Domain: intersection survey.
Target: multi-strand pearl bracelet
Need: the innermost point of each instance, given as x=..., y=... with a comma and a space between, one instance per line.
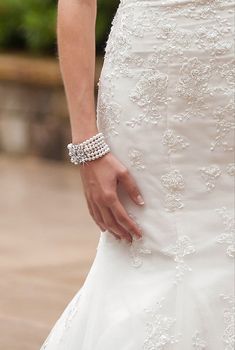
x=88, y=150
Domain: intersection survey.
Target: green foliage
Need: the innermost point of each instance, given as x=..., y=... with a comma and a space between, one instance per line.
x=38, y=24
x=30, y=25
x=105, y=12
x=10, y=23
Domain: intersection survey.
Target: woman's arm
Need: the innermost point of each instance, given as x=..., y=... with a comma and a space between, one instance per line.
x=100, y=177
x=76, y=46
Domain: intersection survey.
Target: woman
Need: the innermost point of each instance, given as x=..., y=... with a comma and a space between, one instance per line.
x=163, y=274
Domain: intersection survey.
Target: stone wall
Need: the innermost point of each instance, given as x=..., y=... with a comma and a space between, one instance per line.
x=33, y=112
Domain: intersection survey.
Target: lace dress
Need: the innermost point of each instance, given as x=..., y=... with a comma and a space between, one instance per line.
x=166, y=106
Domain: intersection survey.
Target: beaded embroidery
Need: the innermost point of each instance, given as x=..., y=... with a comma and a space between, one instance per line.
x=210, y=175
x=159, y=328
x=193, y=86
x=229, y=322
x=109, y=113
x=149, y=94
x=173, y=141
x=225, y=125
x=228, y=236
x=179, y=251
x=136, y=159
x=146, y=74
x=195, y=77
x=137, y=248
x=173, y=182
x=230, y=169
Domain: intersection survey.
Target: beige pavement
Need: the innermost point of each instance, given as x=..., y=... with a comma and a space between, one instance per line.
x=47, y=244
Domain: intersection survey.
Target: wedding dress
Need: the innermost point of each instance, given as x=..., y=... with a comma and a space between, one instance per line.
x=166, y=107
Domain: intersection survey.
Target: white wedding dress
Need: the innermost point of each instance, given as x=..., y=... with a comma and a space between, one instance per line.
x=166, y=106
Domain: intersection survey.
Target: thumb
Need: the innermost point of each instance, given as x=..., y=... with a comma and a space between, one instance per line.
x=131, y=187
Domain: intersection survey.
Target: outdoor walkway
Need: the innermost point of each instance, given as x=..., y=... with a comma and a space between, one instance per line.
x=47, y=244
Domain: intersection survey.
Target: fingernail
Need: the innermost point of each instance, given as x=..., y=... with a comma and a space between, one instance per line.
x=129, y=241
x=135, y=234
x=140, y=199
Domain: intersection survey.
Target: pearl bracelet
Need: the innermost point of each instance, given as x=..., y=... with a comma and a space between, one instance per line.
x=88, y=150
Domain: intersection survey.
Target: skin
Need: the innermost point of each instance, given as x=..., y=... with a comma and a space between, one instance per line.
x=76, y=47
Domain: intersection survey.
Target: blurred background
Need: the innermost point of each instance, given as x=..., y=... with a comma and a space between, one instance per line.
x=47, y=237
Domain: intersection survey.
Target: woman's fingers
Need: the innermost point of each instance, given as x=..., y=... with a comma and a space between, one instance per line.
x=100, y=182
x=98, y=217
x=123, y=219
x=95, y=213
x=113, y=226
x=130, y=186
x=100, y=221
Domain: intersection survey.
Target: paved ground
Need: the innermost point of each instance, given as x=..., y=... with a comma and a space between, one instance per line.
x=47, y=244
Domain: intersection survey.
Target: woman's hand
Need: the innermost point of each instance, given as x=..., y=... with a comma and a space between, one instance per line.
x=100, y=178
x=76, y=46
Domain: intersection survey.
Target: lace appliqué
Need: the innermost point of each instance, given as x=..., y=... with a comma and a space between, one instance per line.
x=159, y=329
x=179, y=251
x=209, y=175
x=109, y=114
x=225, y=125
x=193, y=86
x=198, y=343
x=137, y=248
x=118, y=47
x=211, y=38
x=198, y=79
x=198, y=10
x=227, y=71
x=174, y=183
x=149, y=94
x=136, y=159
x=228, y=236
x=230, y=169
x=229, y=322
x=173, y=142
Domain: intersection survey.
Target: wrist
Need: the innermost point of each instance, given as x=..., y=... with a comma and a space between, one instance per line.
x=83, y=136
x=90, y=149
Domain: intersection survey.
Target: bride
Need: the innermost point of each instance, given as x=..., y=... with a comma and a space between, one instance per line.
x=156, y=159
